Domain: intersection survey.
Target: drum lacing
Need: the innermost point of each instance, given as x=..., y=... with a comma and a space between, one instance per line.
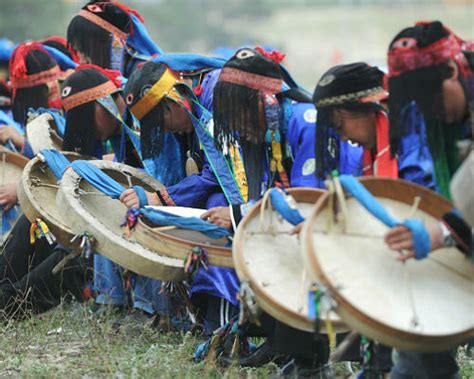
x=87, y=244
x=249, y=310
x=39, y=229
x=197, y=257
x=319, y=301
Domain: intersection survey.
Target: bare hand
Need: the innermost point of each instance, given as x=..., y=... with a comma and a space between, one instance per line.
x=219, y=216
x=9, y=133
x=400, y=238
x=130, y=198
x=8, y=196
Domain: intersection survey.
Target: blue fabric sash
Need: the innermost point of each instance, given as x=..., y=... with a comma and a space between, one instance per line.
x=98, y=179
x=218, y=163
x=164, y=218
x=63, y=60
x=280, y=204
x=189, y=62
x=56, y=161
x=141, y=41
x=421, y=238
x=112, y=188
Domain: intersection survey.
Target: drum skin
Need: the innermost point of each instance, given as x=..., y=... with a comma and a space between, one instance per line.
x=40, y=201
x=270, y=261
x=42, y=133
x=425, y=305
x=177, y=243
x=88, y=210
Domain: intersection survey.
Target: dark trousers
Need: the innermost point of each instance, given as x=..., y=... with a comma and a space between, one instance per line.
x=411, y=365
x=285, y=340
x=26, y=278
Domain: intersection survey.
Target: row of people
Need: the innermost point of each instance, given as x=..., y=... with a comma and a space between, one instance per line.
x=219, y=133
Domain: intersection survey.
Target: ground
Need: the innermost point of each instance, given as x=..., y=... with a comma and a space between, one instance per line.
x=70, y=341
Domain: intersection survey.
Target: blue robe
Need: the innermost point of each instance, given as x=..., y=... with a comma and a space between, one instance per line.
x=203, y=190
x=415, y=162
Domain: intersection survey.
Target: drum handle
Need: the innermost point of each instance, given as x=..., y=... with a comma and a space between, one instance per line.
x=262, y=209
x=342, y=202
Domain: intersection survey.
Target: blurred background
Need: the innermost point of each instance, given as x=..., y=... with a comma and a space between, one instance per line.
x=314, y=34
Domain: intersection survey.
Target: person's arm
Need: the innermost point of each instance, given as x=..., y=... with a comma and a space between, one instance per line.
x=452, y=230
x=192, y=191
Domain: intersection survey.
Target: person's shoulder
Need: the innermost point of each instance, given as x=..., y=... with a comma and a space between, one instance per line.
x=304, y=112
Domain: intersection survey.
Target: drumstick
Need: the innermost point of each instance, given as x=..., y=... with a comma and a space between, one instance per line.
x=165, y=228
x=262, y=209
x=337, y=354
x=342, y=202
x=415, y=319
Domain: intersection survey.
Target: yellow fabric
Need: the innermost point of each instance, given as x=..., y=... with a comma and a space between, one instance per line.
x=163, y=87
x=239, y=171
x=276, y=164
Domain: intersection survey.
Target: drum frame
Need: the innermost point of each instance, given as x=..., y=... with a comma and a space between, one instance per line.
x=266, y=303
x=406, y=192
x=117, y=248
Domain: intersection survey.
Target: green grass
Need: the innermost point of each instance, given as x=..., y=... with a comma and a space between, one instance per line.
x=70, y=341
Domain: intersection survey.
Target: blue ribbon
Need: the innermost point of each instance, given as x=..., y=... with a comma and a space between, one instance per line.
x=98, y=179
x=164, y=218
x=140, y=191
x=279, y=203
x=63, y=60
x=421, y=238
x=56, y=161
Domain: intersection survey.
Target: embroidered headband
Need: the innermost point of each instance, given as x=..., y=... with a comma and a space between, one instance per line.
x=370, y=95
x=249, y=80
x=162, y=88
x=87, y=95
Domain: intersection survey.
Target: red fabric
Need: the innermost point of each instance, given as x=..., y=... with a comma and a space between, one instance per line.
x=382, y=164
x=404, y=54
x=17, y=65
x=113, y=75
x=274, y=55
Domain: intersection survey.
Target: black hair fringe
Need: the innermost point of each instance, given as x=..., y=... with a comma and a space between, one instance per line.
x=25, y=98
x=237, y=112
x=80, y=135
x=424, y=86
x=91, y=40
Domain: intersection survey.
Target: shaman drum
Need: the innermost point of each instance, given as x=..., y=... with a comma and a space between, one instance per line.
x=37, y=191
x=11, y=169
x=42, y=133
x=88, y=210
x=177, y=242
x=424, y=305
x=269, y=260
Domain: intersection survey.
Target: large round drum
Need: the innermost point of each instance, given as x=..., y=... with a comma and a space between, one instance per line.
x=177, y=242
x=424, y=305
x=88, y=210
x=269, y=259
x=43, y=133
x=37, y=191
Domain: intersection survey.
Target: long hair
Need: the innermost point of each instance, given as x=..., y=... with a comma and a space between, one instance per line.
x=80, y=135
x=238, y=115
x=79, y=36
x=92, y=40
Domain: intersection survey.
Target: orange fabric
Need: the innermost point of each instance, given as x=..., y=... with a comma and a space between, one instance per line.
x=382, y=164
